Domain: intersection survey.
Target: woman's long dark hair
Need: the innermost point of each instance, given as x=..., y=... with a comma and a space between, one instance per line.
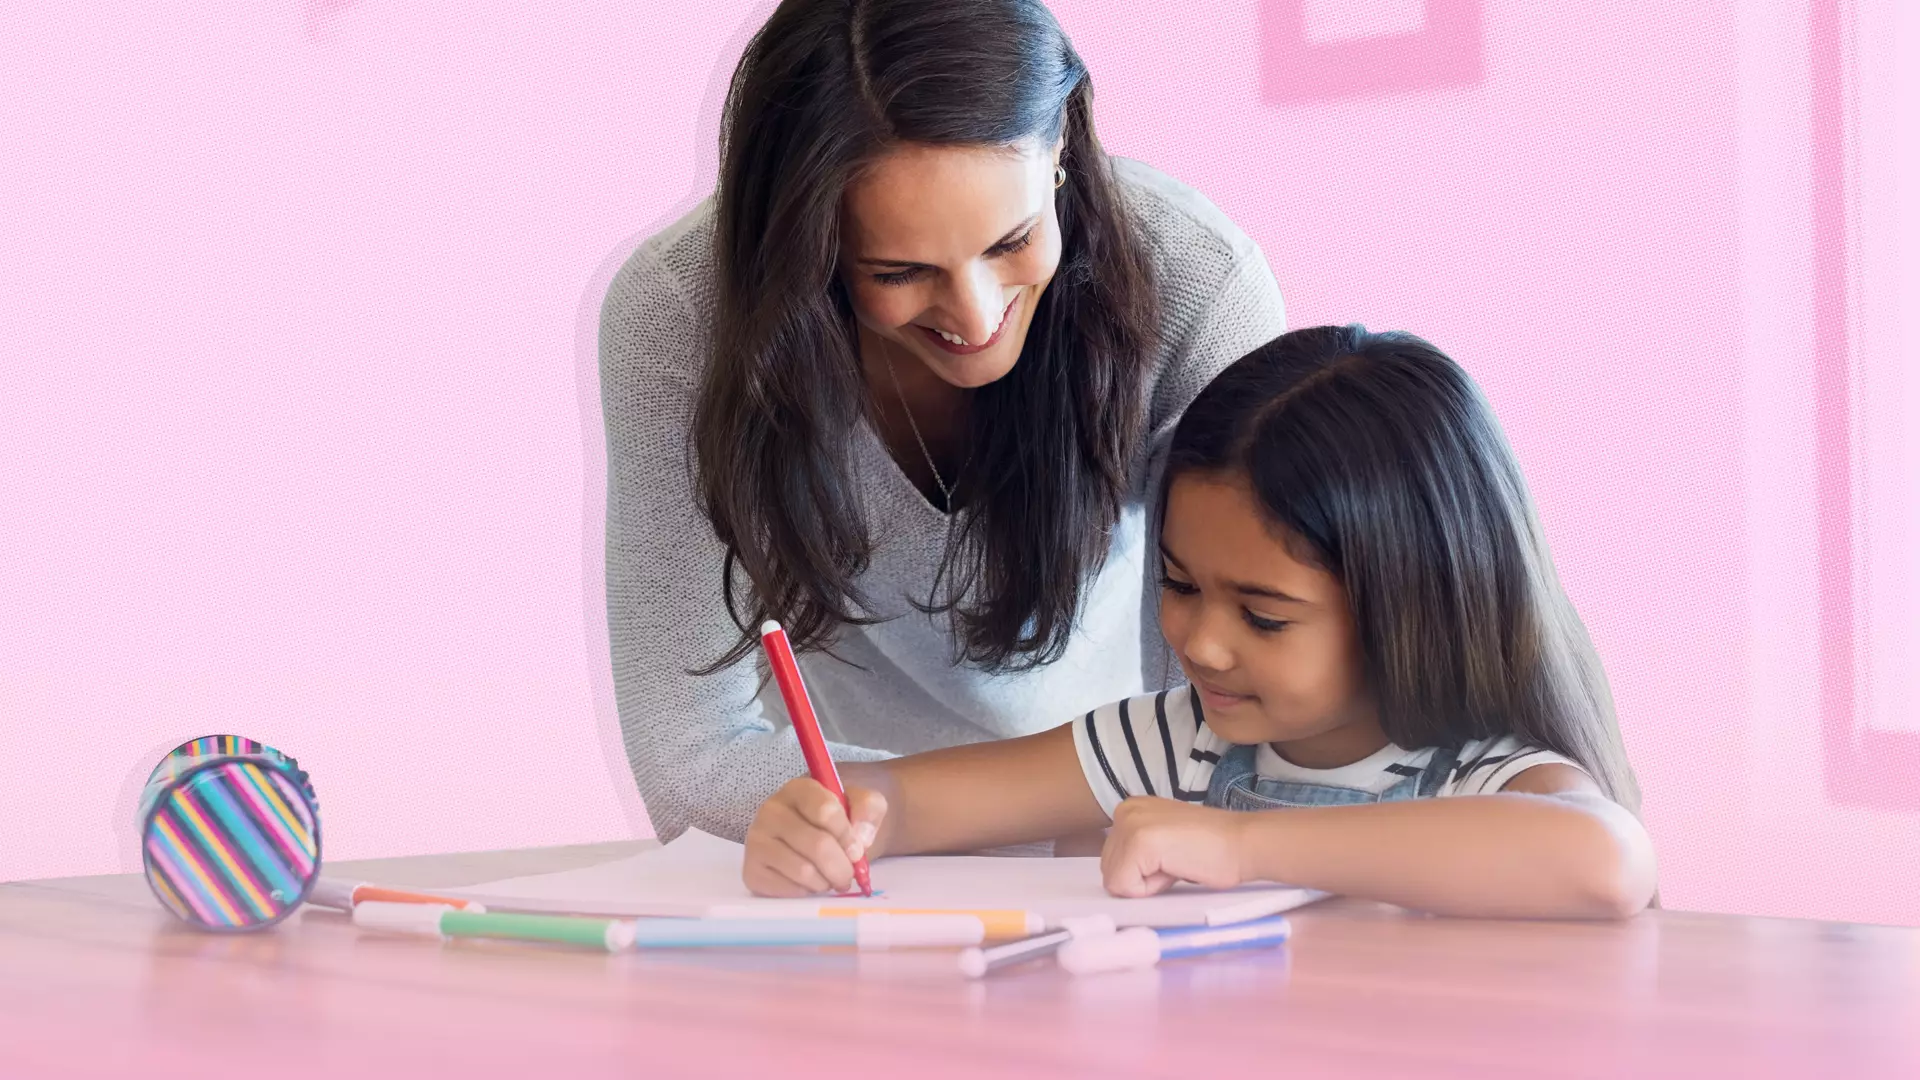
x=1379, y=455
x=823, y=89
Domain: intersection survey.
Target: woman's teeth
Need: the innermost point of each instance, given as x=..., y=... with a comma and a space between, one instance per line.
x=962, y=342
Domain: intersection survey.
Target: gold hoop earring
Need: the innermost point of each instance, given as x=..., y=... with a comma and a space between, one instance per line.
x=1059, y=176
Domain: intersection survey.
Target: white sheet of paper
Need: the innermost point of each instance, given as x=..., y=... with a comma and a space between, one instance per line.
x=698, y=872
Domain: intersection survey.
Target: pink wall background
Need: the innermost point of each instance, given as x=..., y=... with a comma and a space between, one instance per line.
x=301, y=418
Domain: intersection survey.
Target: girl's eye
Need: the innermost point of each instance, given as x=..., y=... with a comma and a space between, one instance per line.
x=898, y=277
x=1178, y=588
x=1265, y=626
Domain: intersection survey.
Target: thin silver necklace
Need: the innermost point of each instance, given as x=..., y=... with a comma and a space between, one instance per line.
x=946, y=493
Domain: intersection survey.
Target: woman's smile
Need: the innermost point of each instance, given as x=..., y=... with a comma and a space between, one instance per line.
x=958, y=346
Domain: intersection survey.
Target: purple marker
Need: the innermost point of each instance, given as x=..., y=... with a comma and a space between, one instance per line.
x=1143, y=947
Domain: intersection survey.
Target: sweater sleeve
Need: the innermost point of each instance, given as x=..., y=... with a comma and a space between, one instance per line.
x=1245, y=313
x=703, y=751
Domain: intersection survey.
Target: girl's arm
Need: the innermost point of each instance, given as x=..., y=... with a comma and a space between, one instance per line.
x=964, y=798
x=1549, y=845
x=992, y=794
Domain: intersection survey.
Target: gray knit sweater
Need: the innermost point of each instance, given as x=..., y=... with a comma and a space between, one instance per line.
x=707, y=751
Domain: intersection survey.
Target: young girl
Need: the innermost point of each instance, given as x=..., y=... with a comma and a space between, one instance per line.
x=1388, y=695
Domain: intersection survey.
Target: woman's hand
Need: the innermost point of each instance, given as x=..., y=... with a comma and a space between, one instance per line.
x=801, y=842
x=1157, y=842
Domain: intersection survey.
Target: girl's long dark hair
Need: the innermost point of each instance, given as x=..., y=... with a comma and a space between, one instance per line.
x=1379, y=454
x=823, y=89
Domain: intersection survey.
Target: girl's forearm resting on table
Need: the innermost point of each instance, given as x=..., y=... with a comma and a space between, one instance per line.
x=985, y=795
x=1507, y=855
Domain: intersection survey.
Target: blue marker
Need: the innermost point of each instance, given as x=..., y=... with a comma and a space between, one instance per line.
x=1143, y=947
x=872, y=931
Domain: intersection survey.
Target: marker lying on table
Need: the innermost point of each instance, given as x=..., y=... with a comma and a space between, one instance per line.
x=860, y=932
x=864, y=931
x=975, y=963
x=806, y=727
x=441, y=921
x=343, y=895
x=999, y=925
x=1142, y=947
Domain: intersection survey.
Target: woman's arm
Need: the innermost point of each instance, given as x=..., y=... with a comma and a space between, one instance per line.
x=702, y=751
x=1243, y=312
x=1549, y=845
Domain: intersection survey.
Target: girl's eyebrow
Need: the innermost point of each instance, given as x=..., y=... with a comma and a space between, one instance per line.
x=1008, y=238
x=1247, y=589
x=1241, y=587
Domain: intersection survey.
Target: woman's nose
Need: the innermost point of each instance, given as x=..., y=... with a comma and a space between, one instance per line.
x=978, y=305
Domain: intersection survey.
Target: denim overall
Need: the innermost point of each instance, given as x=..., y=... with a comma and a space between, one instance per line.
x=1236, y=786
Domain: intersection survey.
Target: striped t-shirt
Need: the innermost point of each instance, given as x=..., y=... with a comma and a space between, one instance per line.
x=1160, y=744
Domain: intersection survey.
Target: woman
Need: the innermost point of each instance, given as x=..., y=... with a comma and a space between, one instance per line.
x=903, y=384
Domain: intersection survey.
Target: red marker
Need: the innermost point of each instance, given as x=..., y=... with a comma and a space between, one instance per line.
x=786, y=672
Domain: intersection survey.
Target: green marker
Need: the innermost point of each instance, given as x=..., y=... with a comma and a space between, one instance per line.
x=441, y=921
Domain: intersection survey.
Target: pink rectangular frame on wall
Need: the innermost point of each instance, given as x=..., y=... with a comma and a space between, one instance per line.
x=1863, y=767
x=1445, y=52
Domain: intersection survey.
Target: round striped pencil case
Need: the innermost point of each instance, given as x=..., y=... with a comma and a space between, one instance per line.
x=230, y=833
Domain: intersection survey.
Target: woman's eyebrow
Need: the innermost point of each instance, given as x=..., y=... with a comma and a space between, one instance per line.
x=1007, y=238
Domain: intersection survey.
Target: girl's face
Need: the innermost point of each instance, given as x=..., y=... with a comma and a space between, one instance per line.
x=1268, y=640
x=946, y=250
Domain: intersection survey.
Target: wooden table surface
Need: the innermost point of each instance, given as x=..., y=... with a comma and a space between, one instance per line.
x=97, y=980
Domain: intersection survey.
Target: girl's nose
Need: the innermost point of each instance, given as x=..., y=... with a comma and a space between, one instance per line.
x=1205, y=646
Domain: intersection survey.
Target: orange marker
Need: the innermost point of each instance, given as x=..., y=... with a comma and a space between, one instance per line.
x=342, y=895
x=999, y=925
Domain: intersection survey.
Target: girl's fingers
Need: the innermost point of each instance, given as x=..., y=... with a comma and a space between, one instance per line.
x=780, y=859
x=819, y=849
x=770, y=867
x=790, y=855
x=763, y=880
x=1130, y=865
x=1156, y=883
x=818, y=807
x=869, y=810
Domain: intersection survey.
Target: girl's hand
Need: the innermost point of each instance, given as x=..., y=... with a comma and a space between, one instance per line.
x=1157, y=842
x=801, y=842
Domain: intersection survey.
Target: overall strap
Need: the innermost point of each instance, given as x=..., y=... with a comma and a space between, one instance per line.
x=1236, y=766
x=1439, y=769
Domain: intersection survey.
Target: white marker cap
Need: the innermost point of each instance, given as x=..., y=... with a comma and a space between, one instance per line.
x=1086, y=926
x=973, y=962
x=918, y=931
x=333, y=893
x=768, y=627
x=419, y=919
x=621, y=934
x=1134, y=947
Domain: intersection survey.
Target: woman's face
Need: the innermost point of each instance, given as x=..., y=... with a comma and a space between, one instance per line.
x=946, y=250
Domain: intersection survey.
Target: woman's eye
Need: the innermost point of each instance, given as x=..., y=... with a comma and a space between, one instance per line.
x=912, y=274
x=1178, y=588
x=1265, y=626
x=1014, y=247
